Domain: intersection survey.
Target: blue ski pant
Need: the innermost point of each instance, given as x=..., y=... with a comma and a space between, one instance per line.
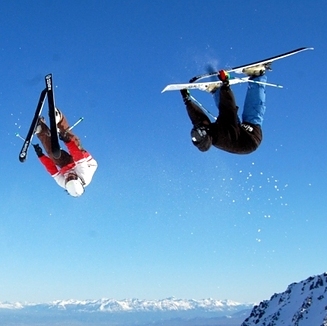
x=255, y=101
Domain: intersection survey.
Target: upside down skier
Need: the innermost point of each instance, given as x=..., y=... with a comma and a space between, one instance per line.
x=228, y=132
x=74, y=170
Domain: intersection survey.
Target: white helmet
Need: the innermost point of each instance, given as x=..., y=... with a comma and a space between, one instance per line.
x=75, y=187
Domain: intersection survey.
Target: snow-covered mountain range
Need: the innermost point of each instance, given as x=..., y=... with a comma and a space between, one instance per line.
x=222, y=307
x=170, y=311
x=302, y=304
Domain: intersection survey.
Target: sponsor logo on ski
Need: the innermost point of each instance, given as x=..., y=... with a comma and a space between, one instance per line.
x=24, y=149
x=48, y=83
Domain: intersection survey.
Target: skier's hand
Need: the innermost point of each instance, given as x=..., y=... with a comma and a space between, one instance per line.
x=223, y=75
x=38, y=150
x=65, y=137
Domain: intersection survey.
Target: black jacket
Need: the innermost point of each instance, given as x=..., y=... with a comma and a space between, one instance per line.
x=227, y=132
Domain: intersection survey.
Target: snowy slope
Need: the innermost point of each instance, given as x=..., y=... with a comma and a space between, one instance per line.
x=302, y=304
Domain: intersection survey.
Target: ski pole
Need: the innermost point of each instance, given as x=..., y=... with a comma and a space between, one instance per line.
x=22, y=138
x=259, y=82
x=68, y=129
x=19, y=136
x=202, y=107
x=75, y=124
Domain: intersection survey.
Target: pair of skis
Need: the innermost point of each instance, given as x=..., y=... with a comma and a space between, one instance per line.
x=55, y=147
x=207, y=86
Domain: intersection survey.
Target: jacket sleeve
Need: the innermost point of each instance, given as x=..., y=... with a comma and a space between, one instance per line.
x=74, y=151
x=195, y=114
x=52, y=169
x=49, y=165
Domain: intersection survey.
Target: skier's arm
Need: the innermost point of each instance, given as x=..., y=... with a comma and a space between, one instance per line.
x=92, y=166
x=86, y=169
x=49, y=165
x=196, y=115
x=52, y=169
x=74, y=151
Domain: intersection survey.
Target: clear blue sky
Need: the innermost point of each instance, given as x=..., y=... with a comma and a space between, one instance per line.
x=161, y=218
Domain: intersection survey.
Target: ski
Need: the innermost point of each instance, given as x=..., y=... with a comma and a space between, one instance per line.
x=206, y=86
x=30, y=134
x=209, y=86
x=55, y=147
x=265, y=63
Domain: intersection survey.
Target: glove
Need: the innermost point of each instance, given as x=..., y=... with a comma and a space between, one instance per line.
x=65, y=137
x=38, y=150
x=223, y=75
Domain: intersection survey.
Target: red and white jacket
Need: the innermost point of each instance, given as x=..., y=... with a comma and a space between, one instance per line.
x=84, y=165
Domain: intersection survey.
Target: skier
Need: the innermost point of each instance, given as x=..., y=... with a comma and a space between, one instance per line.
x=73, y=171
x=228, y=133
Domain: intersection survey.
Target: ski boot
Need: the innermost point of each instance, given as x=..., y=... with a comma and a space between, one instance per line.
x=38, y=128
x=223, y=76
x=258, y=70
x=58, y=115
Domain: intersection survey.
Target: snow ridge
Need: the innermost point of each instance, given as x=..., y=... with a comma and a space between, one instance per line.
x=302, y=304
x=133, y=305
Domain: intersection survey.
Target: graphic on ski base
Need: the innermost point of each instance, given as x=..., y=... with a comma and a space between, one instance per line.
x=55, y=147
x=30, y=134
x=207, y=86
x=47, y=92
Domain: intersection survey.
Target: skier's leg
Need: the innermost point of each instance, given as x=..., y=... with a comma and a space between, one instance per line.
x=255, y=102
x=63, y=127
x=44, y=135
x=65, y=159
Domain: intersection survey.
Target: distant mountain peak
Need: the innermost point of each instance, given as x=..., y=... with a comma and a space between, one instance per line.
x=302, y=304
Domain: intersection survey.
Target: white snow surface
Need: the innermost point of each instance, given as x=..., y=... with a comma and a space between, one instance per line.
x=302, y=304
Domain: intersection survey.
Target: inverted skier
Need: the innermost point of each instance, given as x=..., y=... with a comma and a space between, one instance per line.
x=74, y=170
x=228, y=132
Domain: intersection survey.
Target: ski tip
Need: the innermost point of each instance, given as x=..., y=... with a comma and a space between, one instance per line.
x=22, y=157
x=305, y=48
